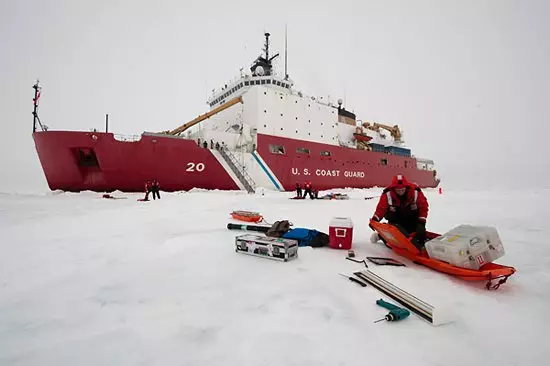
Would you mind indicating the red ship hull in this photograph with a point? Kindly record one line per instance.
(125, 166)
(78, 161)
(344, 167)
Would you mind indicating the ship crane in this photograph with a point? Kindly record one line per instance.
(394, 130)
(368, 126)
(204, 116)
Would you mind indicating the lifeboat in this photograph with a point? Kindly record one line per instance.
(361, 137)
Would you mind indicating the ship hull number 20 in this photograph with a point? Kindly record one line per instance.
(192, 167)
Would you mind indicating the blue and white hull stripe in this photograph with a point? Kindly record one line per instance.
(272, 178)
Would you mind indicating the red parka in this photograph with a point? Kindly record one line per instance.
(412, 205)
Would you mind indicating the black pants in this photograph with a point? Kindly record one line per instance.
(308, 191)
(408, 228)
(299, 192)
(156, 192)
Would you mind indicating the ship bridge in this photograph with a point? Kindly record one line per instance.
(243, 84)
(262, 74)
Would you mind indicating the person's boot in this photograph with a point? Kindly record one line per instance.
(374, 238)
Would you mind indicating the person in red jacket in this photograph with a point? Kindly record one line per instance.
(404, 206)
(147, 190)
(308, 189)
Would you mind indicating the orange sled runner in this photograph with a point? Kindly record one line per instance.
(402, 246)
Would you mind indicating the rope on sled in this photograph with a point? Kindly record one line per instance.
(491, 286)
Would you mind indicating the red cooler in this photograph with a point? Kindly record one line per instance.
(340, 233)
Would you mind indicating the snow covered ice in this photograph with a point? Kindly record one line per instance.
(92, 281)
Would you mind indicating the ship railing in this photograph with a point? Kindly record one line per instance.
(238, 169)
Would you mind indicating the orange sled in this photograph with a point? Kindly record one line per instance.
(402, 245)
(247, 216)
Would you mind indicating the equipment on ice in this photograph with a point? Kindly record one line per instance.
(248, 216)
(421, 308)
(382, 261)
(246, 227)
(396, 313)
(403, 246)
(340, 233)
(467, 246)
(357, 261)
(353, 279)
(268, 247)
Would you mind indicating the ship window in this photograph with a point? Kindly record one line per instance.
(384, 161)
(279, 83)
(263, 82)
(269, 81)
(277, 149)
(246, 83)
(302, 150)
(257, 82)
(325, 153)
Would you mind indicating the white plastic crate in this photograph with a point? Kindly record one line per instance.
(467, 246)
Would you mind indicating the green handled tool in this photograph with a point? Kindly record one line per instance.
(396, 313)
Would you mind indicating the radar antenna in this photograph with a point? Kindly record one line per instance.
(262, 66)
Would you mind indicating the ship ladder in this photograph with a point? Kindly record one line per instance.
(238, 169)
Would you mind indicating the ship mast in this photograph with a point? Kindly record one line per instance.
(267, 46)
(36, 119)
(286, 52)
(263, 66)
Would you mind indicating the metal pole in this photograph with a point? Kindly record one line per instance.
(35, 102)
(286, 71)
(107, 123)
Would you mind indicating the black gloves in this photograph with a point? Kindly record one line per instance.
(420, 228)
(374, 218)
(420, 232)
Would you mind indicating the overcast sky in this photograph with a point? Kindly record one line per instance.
(466, 80)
